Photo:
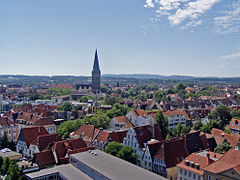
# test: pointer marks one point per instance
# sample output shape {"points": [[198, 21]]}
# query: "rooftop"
{"points": [[114, 168]]}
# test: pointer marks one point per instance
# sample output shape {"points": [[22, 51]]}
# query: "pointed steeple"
{"points": [[96, 67]]}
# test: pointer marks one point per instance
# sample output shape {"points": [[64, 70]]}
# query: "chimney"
{"points": [[223, 134]]}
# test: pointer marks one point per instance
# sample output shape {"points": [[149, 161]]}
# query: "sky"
{"points": [[166, 37]]}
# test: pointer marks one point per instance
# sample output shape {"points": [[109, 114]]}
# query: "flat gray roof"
{"points": [[114, 168], [68, 171], [9, 154]]}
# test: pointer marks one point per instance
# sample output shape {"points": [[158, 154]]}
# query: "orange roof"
{"points": [[176, 112], [200, 159], [221, 136], [124, 119], [139, 112], [230, 160], [234, 124]]}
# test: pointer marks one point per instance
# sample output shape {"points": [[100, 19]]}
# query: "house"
{"points": [[221, 137], [162, 157], [11, 128], [138, 137], [227, 167], [85, 132], [234, 126], [139, 118], [191, 167], [120, 122], [42, 142], [26, 136], [175, 117]]}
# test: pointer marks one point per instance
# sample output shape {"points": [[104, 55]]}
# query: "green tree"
{"points": [[179, 130], [111, 100], [159, 96], [221, 115], [65, 129], [66, 106], [100, 119], [210, 125], [197, 125], [5, 166], [4, 141], [235, 114], [162, 123], [180, 86], [222, 148], [127, 153], [1, 161], [13, 172], [113, 148], [118, 110]]}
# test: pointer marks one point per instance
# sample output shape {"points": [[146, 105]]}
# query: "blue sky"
{"points": [[167, 37]]}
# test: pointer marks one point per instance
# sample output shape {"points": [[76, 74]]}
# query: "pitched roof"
{"points": [[43, 141], [143, 134], [139, 112], [193, 142], [45, 158], [85, 131], [61, 147], [31, 133], [201, 159], [5, 122], [172, 152], [220, 137], [176, 112], [230, 160], [234, 124], [124, 119]]}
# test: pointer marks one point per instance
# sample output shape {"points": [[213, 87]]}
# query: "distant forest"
{"points": [[121, 78]]}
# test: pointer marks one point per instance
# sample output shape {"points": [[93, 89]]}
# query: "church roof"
{"points": [[96, 63]]}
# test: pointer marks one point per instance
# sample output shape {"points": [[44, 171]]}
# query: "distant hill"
{"points": [[150, 76]]}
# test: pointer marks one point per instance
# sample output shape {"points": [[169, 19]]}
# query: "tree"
{"points": [[113, 148], [235, 114], [221, 115], [159, 96], [5, 166], [127, 153], [162, 123], [4, 140], [179, 130], [118, 110], [111, 100], [1, 161], [197, 125], [66, 106], [180, 86], [13, 171], [210, 125], [222, 148], [100, 119]]}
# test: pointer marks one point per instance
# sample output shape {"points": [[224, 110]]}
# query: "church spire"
{"points": [[96, 67]]}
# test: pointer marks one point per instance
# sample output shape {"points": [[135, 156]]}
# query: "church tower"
{"points": [[96, 74]]}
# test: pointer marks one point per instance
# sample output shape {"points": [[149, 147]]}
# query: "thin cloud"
{"points": [[230, 21], [192, 13], [232, 56]]}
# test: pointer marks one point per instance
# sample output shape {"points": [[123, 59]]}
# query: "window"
{"points": [[194, 176], [199, 177], [150, 164], [208, 177], [185, 172], [189, 174], [180, 170], [145, 163]]}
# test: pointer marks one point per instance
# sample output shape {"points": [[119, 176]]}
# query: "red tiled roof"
{"points": [[143, 134], [5, 122], [103, 136], [172, 152], [221, 136], [80, 150], [176, 112], [61, 147], [45, 158], [62, 86], [45, 121], [118, 136], [44, 140], [234, 124], [31, 133], [124, 119], [85, 131], [230, 159], [139, 112], [202, 160]]}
